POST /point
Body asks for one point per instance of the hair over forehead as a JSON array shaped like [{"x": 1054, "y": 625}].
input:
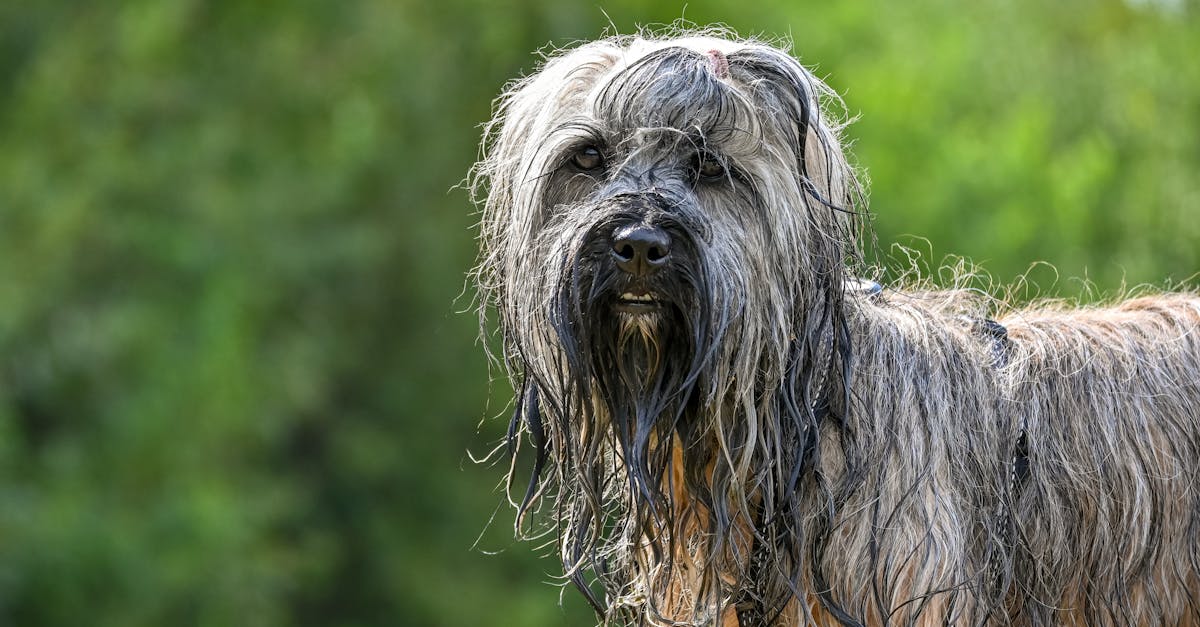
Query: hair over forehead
[
  {"x": 746, "y": 95},
  {"x": 707, "y": 88}
]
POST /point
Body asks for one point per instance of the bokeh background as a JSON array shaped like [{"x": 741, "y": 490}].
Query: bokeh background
[{"x": 239, "y": 375}]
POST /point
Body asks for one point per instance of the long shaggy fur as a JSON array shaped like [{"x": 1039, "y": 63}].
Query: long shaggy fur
[{"x": 771, "y": 444}]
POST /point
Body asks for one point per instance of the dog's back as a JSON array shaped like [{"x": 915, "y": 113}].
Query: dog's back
[{"x": 1041, "y": 468}]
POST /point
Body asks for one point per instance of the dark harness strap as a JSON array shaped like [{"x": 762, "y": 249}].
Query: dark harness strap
[{"x": 1018, "y": 464}]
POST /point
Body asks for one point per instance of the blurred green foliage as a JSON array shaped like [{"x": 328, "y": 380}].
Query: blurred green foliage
[{"x": 236, "y": 383}]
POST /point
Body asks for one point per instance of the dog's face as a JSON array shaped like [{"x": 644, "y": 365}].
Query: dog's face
[
  {"x": 663, "y": 237},
  {"x": 652, "y": 189}
]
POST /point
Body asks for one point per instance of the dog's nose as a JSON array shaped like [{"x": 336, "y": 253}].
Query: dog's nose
[{"x": 641, "y": 249}]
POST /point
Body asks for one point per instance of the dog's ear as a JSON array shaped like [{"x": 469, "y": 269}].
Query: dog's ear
[
  {"x": 780, "y": 86},
  {"x": 802, "y": 108}
]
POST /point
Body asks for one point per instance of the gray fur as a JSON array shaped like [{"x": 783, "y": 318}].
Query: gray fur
[{"x": 770, "y": 447}]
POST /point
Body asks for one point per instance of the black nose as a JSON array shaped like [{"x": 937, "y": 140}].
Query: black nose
[{"x": 641, "y": 249}]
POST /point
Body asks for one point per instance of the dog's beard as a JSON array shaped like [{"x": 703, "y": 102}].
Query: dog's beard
[{"x": 638, "y": 364}]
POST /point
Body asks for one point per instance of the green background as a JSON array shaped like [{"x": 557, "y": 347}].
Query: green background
[{"x": 238, "y": 382}]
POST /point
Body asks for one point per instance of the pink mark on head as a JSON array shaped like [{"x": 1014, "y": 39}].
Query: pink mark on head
[{"x": 718, "y": 63}]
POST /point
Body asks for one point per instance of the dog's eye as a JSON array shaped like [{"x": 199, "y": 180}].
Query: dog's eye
[
  {"x": 588, "y": 158},
  {"x": 709, "y": 168}
]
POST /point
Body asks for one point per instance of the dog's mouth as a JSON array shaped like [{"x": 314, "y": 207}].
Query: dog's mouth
[{"x": 638, "y": 301}]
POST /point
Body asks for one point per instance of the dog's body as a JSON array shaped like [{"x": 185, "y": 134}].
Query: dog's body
[{"x": 729, "y": 429}]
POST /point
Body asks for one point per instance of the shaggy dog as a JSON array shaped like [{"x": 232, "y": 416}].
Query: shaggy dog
[{"x": 727, "y": 428}]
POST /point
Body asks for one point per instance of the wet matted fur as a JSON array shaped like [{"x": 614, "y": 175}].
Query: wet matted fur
[{"x": 726, "y": 428}]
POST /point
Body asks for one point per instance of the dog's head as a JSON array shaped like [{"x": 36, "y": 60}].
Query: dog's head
[{"x": 664, "y": 237}]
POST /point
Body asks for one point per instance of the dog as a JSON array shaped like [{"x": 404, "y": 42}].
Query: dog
[{"x": 727, "y": 426}]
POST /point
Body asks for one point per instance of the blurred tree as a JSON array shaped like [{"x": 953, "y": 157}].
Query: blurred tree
[{"x": 236, "y": 382}]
